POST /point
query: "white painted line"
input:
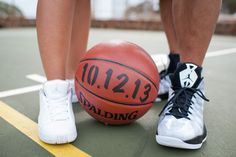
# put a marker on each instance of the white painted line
(221, 52)
(160, 59)
(20, 91)
(36, 77)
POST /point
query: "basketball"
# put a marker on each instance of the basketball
(116, 82)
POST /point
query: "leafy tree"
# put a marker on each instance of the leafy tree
(231, 5)
(9, 10)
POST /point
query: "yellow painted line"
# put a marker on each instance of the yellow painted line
(29, 128)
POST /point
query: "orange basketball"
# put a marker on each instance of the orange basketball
(116, 82)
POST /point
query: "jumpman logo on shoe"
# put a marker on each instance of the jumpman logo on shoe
(188, 76)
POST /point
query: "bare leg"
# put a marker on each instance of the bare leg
(79, 38)
(194, 24)
(54, 25)
(167, 20)
(56, 123)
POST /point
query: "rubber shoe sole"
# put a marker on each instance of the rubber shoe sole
(58, 139)
(177, 143)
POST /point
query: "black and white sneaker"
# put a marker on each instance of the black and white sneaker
(165, 82)
(181, 120)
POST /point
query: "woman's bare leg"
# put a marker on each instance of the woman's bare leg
(56, 124)
(54, 26)
(79, 37)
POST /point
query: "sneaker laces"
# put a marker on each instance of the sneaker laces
(180, 103)
(163, 74)
(58, 108)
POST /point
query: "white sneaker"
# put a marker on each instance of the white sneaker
(164, 86)
(181, 120)
(56, 122)
(72, 86)
(165, 82)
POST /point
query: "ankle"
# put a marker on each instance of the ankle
(187, 75)
(55, 88)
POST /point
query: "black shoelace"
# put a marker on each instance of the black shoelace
(182, 101)
(163, 74)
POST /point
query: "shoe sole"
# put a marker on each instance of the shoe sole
(58, 139)
(177, 143)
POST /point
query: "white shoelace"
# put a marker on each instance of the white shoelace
(58, 109)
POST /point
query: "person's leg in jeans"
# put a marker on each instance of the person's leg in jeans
(181, 122)
(54, 22)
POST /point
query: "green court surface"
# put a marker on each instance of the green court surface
(19, 57)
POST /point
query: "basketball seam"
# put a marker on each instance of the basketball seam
(127, 104)
(122, 65)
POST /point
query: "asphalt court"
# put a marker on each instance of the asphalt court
(19, 57)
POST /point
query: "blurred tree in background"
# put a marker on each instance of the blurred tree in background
(9, 11)
(230, 6)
